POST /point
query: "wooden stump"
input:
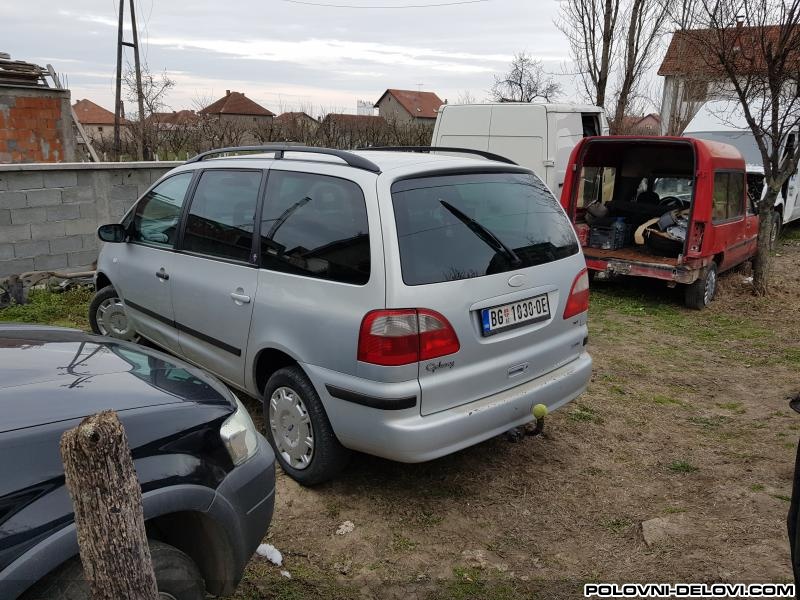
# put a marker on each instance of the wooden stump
(107, 500)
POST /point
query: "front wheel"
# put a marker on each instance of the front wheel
(107, 315)
(177, 577)
(299, 430)
(700, 293)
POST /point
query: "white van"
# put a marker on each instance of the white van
(723, 121)
(537, 136)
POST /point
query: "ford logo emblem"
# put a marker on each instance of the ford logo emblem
(516, 280)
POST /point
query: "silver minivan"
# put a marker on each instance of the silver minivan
(394, 303)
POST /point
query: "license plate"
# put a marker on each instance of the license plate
(515, 314)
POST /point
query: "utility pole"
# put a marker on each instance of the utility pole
(118, 116)
(118, 100)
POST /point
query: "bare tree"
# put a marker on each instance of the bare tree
(466, 97)
(754, 47)
(154, 92)
(644, 21)
(525, 82)
(591, 28)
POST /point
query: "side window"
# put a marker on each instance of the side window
(315, 225)
(222, 214)
(155, 219)
(728, 196)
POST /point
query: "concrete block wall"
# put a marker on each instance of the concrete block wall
(49, 213)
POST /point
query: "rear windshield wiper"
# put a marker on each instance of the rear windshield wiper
(484, 234)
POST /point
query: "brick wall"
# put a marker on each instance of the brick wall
(35, 125)
(49, 214)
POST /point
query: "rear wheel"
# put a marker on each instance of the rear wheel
(177, 576)
(699, 294)
(299, 430)
(107, 315)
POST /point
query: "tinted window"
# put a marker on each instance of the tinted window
(728, 196)
(316, 226)
(155, 219)
(464, 226)
(222, 214)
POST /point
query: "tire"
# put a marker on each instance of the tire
(293, 410)
(775, 230)
(177, 576)
(699, 294)
(107, 315)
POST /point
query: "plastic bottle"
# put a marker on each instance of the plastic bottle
(618, 236)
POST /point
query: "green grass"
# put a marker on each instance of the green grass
(682, 466)
(471, 584)
(583, 413)
(67, 309)
(617, 525)
(757, 487)
(781, 497)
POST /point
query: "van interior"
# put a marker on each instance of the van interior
(634, 198)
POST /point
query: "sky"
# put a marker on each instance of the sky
(288, 55)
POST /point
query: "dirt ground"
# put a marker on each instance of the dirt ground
(687, 419)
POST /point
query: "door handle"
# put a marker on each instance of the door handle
(241, 298)
(162, 274)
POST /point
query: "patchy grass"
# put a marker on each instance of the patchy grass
(682, 466)
(583, 413)
(66, 309)
(616, 525)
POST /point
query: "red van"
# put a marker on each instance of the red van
(669, 208)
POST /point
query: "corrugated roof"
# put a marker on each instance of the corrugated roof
(236, 103)
(89, 113)
(418, 104)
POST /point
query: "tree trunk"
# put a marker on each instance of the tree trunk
(107, 500)
(763, 260)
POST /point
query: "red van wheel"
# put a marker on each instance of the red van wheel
(700, 293)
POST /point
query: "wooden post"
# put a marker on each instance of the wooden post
(107, 500)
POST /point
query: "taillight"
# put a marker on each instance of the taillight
(578, 300)
(404, 336)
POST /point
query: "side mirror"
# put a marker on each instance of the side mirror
(114, 233)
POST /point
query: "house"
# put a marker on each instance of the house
(98, 123)
(408, 106)
(640, 125)
(296, 126)
(35, 118)
(340, 130)
(692, 77)
(169, 121)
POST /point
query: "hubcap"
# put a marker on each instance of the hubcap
(711, 286)
(112, 319)
(291, 427)
(166, 596)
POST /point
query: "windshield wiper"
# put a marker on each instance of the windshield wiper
(484, 234)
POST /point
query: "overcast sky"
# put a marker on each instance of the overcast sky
(287, 55)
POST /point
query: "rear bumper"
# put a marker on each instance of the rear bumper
(406, 436)
(666, 272)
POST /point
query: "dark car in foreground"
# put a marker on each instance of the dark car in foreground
(207, 475)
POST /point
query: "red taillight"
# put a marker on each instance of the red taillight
(578, 300)
(404, 336)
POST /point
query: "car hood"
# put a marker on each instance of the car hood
(49, 375)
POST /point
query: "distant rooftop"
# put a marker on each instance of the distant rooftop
(236, 103)
(418, 104)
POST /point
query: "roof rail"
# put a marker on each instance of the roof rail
(484, 154)
(353, 160)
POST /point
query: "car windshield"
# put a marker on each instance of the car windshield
(678, 187)
(461, 226)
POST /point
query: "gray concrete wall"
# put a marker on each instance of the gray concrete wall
(49, 213)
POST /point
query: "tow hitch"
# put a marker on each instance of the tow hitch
(539, 412)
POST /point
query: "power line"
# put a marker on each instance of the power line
(400, 6)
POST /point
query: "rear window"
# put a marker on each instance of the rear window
(462, 226)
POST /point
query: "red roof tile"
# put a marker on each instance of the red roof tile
(417, 104)
(236, 103)
(294, 116)
(356, 121)
(89, 113)
(180, 117)
(688, 54)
